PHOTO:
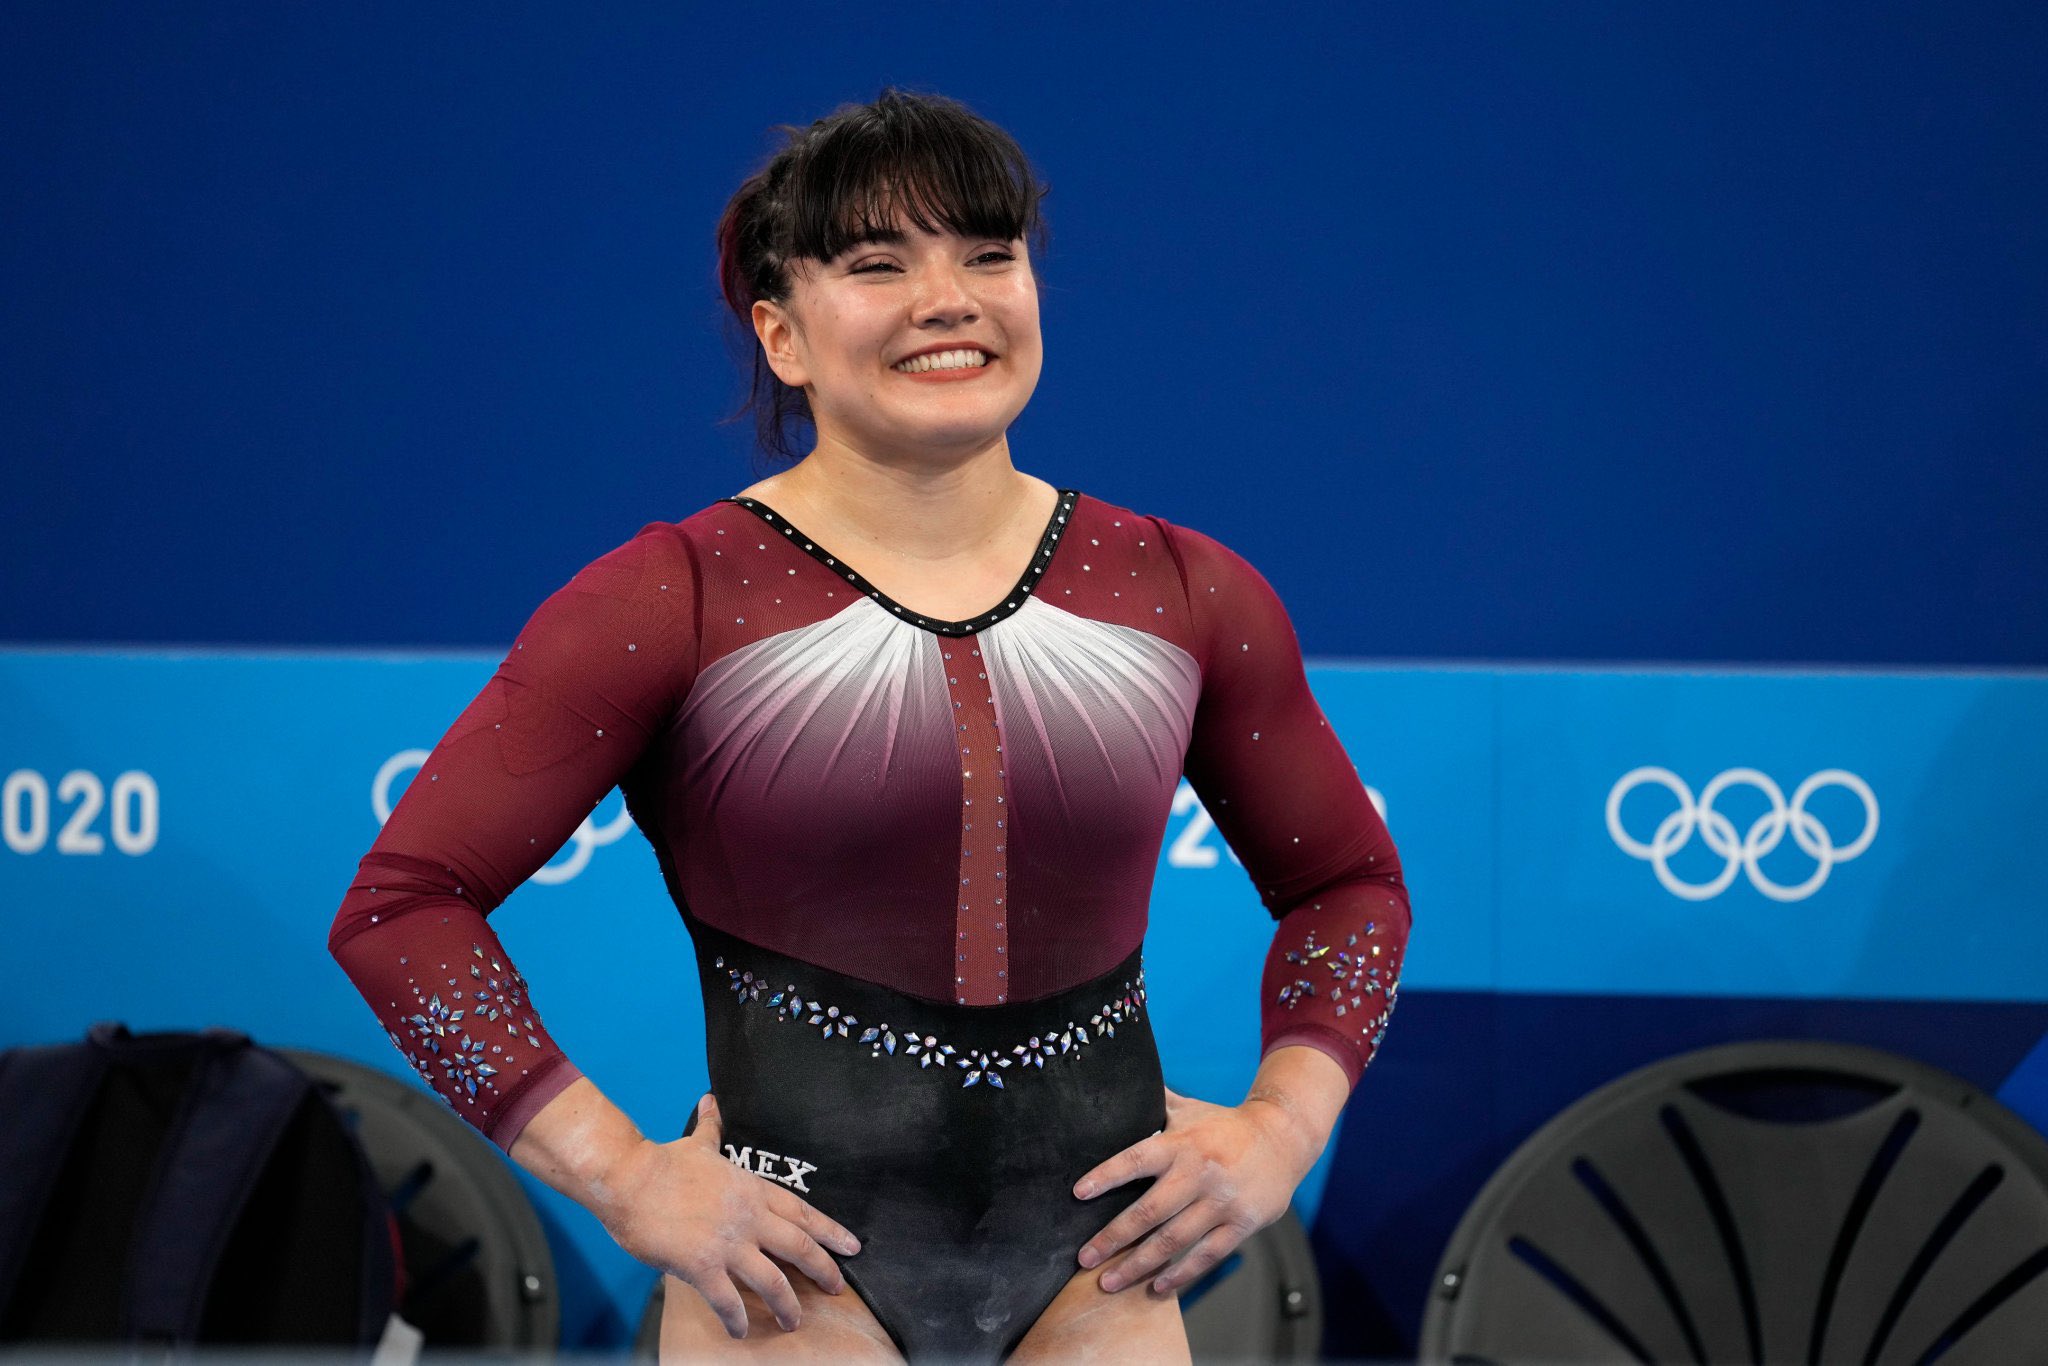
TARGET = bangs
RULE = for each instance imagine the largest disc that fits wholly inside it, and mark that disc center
(910, 161)
(937, 169)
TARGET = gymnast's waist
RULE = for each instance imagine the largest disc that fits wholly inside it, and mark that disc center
(900, 1092)
(747, 987)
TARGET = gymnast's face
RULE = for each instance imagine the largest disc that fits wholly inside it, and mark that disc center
(851, 322)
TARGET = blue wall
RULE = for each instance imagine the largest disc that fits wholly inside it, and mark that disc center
(1590, 331)
(1492, 334)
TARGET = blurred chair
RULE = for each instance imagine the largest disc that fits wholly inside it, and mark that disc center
(1761, 1202)
(478, 1269)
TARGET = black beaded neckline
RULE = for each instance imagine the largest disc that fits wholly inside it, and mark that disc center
(1012, 600)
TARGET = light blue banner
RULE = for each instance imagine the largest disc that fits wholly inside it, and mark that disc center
(196, 817)
(179, 828)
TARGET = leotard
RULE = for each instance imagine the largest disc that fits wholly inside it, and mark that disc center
(915, 858)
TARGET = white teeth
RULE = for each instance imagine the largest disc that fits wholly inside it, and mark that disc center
(942, 360)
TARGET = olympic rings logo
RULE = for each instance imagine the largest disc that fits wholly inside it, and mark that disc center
(1675, 830)
(586, 840)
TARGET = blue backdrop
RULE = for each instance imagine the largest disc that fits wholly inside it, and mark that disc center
(1495, 335)
(1588, 331)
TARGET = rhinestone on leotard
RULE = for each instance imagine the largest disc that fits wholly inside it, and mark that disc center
(1070, 1038)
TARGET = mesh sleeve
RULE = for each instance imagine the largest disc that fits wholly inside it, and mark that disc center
(1276, 780)
(594, 675)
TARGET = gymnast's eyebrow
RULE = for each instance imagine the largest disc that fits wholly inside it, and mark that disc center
(878, 233)
(885, 234)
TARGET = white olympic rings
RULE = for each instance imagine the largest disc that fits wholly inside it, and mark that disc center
(1676, 829)
(586, 838)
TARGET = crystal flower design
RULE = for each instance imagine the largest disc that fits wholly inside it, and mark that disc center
(978, 1065)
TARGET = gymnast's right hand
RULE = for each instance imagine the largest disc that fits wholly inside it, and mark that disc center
(685, 1209)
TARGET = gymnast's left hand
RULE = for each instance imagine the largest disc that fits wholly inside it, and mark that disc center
(1224, 1172)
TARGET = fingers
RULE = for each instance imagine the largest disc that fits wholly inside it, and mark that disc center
(1213, 1247)
(801, 1250)
(704, 1124)
(1177, 1235)
(753, 1267)
(721, 1294)
(1166, 1199)
(1147, 1157)
(812, 1220)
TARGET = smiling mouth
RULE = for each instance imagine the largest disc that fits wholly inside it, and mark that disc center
(966, 358)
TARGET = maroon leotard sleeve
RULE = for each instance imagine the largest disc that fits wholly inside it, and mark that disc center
(1277, 782)
(596, 672)
(970, 812)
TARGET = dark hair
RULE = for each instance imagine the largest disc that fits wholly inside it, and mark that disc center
(929, 158)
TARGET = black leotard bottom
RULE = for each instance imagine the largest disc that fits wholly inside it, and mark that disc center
(947, 1137)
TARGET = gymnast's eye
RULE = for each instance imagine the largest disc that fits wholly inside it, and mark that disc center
(991, 257)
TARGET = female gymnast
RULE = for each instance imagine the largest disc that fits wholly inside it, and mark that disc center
(903, 725)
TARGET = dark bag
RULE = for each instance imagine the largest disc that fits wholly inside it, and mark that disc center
(178, 1189)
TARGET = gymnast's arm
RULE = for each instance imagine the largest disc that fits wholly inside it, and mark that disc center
(1274, 777)
(593, 677)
